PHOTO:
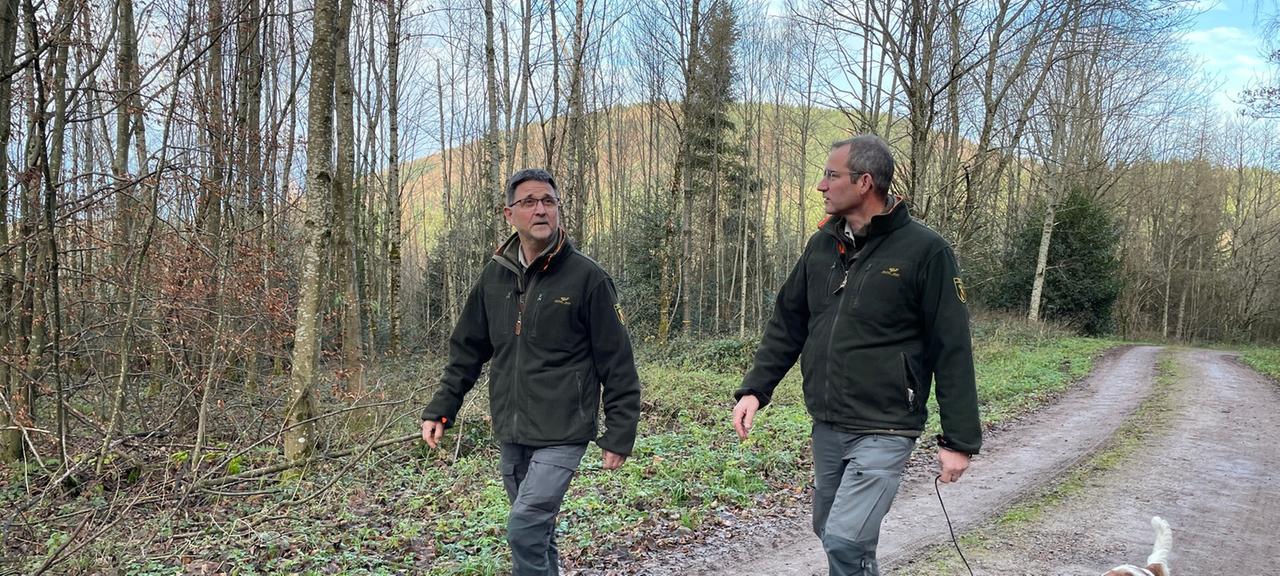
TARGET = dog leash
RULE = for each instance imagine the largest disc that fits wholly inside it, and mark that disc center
(937, 489)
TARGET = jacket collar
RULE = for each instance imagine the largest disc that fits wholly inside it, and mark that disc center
(508, 253)
(880, 224)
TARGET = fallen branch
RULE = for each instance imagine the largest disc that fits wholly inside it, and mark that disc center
(267, 470)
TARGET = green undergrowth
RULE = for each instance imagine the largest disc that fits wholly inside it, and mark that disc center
(1131, 436)
(1264, 360)
(422, 511)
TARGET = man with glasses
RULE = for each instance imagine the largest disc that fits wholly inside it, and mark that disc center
(876, 310)
(547, 319)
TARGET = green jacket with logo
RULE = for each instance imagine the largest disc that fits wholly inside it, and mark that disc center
(873, 328)
(557, 345)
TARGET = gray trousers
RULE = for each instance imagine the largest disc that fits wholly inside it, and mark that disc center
(856, 478)
(536, 480)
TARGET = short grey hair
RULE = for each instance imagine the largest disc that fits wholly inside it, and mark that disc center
(526, 175)
(870, 153)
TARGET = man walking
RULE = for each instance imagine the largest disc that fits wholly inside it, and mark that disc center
(875, 308)
(547, 319)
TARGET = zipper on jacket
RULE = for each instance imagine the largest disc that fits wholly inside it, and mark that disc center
(830, 275)
(537, 311)
(519, 313)
(516, 372)
(831, 335)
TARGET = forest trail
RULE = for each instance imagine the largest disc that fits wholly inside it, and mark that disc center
(1204, 468)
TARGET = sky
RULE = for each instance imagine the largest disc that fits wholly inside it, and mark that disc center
(1226, 40)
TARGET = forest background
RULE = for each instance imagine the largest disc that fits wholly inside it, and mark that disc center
(235, 234)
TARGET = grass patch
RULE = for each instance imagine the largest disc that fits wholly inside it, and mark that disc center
(1264, 360)
(1130, 437)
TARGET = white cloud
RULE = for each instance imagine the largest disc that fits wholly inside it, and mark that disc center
(1231, 56)
(1219, 39)
(1247, 61)
(1226, 46)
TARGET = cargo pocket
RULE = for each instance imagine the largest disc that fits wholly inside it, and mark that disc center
(500, 305)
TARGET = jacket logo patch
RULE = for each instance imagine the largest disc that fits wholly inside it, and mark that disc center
(960, 293)
(892, 271)
(621, 319)
(563, 300)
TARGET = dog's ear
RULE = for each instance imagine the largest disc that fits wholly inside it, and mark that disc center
(1157, 570)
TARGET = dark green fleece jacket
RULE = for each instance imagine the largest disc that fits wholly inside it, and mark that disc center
(558, 347)
(874, 324)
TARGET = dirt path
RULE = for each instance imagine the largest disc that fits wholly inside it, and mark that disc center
(1208, 467)
(1205, 470)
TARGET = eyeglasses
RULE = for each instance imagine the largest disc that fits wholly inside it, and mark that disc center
(528, 203)
(833, 174)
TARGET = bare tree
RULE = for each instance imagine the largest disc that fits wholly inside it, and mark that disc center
(393, 186)
(300, 425)
(345, 207)
(493, 146)
(10, 436)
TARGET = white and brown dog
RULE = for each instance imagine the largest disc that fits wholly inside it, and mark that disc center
(1158, 561)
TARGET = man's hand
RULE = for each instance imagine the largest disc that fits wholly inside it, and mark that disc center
(612, 460)
(953, 464)
(432, 431)
(744, 414)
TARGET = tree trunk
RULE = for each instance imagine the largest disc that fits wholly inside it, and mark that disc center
(44, 162)
(1042, 264)
(1168, 290)
(299, 427)
(345, 207)
(248, 158)
(686, 152)
(393, 166)
(549, 137)
(446, 156)
(493, 194)
(209, 208)
(517, 135)
(126, 64)
(10, 438)
(578, 193)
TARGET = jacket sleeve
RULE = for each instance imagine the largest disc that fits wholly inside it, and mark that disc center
(949, 352)
(616, 367)
(784, 336)
(469, 349)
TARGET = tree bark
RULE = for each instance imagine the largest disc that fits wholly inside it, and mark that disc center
(492, 144)
(300, 429)
(126, 64)
(577, 194)
(10, 438)
(44, 168)
(393, 167)
(248, 157)
(345, 207)
(1042, 264)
